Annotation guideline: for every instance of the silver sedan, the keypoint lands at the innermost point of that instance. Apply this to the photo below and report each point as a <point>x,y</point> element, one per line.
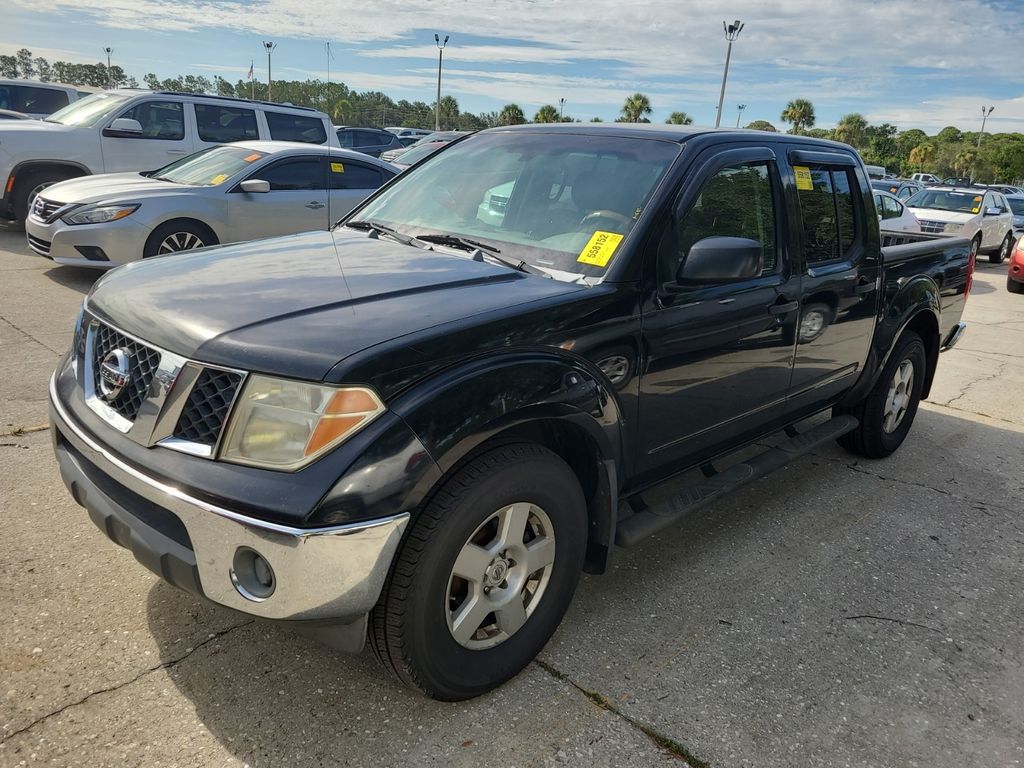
<point>224,194</point>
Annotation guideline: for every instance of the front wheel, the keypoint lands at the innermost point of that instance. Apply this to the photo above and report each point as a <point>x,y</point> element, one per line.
<point>888,410</point>
<point>485,574</point>
<point>1013,286</point>
<point>174,236</point>
<point>1004,250</point>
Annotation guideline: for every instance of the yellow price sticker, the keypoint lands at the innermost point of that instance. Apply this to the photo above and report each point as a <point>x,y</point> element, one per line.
<point>337,167</point>
<point>218,178</point>
<point>976,209</point>
<point>598,252</point>
<point>803,177</point>
<point>252,158</point>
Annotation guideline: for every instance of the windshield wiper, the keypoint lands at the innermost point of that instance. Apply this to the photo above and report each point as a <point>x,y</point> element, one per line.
<point>380,229</point>
<point>491,251</point>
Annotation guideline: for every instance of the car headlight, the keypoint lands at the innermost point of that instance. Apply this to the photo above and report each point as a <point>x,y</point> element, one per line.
<point>100,215</point>
<point>284,424</point>
<point>953,227</point>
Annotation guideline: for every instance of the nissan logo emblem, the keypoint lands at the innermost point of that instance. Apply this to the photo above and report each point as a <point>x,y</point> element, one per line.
<point>114,374</point>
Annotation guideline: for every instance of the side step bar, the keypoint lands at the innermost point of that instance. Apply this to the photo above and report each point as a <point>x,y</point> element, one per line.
<point>650,520</point>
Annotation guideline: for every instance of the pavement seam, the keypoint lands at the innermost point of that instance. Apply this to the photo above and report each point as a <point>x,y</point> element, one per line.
<point>662,742</point>
<point>162,665</point>
<point>29,336</point>
<point>19,431</point>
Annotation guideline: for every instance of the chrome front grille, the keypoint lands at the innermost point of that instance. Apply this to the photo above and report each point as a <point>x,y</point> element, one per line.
<point>44,209</point>
<point>154,396</point>
<point>933,227</point>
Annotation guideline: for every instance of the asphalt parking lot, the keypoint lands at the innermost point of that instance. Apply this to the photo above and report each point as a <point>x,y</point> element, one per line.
<point>838,613</point>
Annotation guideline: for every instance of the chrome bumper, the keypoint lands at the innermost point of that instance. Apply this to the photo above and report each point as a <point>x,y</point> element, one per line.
<point>321,574</point>
<point>953,336</point>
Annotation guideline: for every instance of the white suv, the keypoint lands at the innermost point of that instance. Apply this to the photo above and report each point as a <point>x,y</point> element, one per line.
<point>981,215</point>
<point>134,130</point>
<point>36,99</point>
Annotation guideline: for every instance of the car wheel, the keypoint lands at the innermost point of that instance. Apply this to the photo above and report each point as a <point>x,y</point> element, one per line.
<point>814,319</point>
<point>27,189</point>
<point>1013,286</point>
<point>484,575</point>
<point>174,236</point>
<point>1004,250</point>
<point>888,411</point>
<point>975,245</point>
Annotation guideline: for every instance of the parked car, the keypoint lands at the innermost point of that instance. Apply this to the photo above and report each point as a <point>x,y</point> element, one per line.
<point>902,188</point>
<point>1006,189</point>
<point>981,215</point>
<point>10,114</point>
<point>226,194</point>
<point>219,411</point>
<point>369,141</point>
<point>433,138</point>
<point>418,153</point>
<point>1016,203</point>
<point>893,215</point>
<point>136,130</point>
<point>1015,273</point>
<point>405,133</point>
<point>35,99</point>
<point>925,178</point>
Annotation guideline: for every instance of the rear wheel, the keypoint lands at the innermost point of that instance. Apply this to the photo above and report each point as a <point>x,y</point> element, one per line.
<point>1013,286</point>
<point>888,411</point>
<point>485,574</point>
<point>1004,250</point>
<point>174,236</point>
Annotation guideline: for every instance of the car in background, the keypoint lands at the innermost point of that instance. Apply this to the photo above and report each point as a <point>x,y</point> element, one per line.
<point>369,141</point>
<point>129,129</point>
<point>433,138</point>
<point>902,188</point>
<point>875,171</point>
<point>416,154</point>
<point>35,99</point>
<point>1006,189</point>
<point>1015,273</point>
<point>979,214</point>
<point>408,136</point>
<point>893,215</point>
<point>227,194</point>
<point>10,114</point>
<point>925,178</point>
<point>1017,209</point>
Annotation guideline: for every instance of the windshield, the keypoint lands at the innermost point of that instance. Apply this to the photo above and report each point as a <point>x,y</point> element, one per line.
<point>209,167</point>
<point>555,201</point>
<point>90,110</point>
<point>947,200</point>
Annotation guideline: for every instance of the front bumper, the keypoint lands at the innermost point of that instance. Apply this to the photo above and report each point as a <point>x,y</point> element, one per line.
<point>99,246</point>
<point>332,574</point>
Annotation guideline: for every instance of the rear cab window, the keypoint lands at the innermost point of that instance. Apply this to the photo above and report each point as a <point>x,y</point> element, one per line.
<point>32,99</point>
<point>288,127</point>
<point>828,212</point>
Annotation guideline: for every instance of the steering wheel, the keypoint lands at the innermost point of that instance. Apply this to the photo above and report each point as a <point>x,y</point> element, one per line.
<point>605,214</point>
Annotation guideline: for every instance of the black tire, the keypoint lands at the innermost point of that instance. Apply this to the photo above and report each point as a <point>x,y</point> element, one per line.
<point>1013,286</point>
<point>870,438</point>
<point>29,184</point>
<point>976,245</point>
<point>1004,250</point>
<point>409,628</point>
<point>178,227</point>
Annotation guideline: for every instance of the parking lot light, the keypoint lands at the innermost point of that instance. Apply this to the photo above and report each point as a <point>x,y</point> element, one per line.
<point>732,31</point>
<point>440,56</point>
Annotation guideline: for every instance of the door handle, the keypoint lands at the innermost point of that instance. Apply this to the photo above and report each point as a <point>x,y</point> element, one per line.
<point>315,205</point>
<point>864,286</point>
<point>782,309</point>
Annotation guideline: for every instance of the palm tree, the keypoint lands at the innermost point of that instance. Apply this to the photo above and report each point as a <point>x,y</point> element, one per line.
<point>851,129</point>
<point>964,161</point>
<point>635,108</point>
<point>799,112</point>
<point>922,155</point>
<point>679,118</point>
<point>547,114</point>
<point>511,114</point>
<point>339,109</point>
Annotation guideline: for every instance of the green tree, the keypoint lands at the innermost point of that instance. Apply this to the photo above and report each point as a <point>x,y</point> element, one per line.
<point>339,109</point>
<point>596,120</point>
<point>449,113</point>
<point>547,114</point>
<point>679,118</point>
<point>636,108</point>
<point>800,113</point>
<point>852,129</point>
<point>964,161</point>
<point>949,135</point>
<point>511,114</point>
<point>761,125</point>
<point>43,69</point>
<point>26,67</point>
<point>8,66</point>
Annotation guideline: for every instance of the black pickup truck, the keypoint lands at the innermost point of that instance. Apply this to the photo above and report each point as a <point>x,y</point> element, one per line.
<point>419,428</point>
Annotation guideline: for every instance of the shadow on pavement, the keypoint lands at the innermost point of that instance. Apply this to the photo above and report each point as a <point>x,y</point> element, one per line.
<point>840,607</point>
<point>75,278</point>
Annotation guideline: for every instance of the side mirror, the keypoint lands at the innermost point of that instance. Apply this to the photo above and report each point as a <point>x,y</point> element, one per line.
<point>124,127</point>
<point>254,185</point>
<point>993,211</point>
<point>720,260</point>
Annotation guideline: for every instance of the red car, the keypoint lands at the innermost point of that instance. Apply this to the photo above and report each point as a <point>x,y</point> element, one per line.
<point>1015,277</point>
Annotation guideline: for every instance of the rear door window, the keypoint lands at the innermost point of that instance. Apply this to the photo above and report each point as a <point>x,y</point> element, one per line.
<point>222,124</point>
<point>305,128</point>
<point>344,174</point>
<point>159,119</point>
<point>32,99</point>
<point>827,212</point>
<point>296,173</point>
<point>368,139</point>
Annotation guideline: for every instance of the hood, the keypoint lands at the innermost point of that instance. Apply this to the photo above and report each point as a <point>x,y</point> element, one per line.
<point>110,187</point>
<point>298,305</point>
<point>14,128</point>
<point>933,214</point>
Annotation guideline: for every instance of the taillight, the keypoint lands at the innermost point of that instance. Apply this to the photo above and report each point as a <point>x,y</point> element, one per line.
<point>970,275</point>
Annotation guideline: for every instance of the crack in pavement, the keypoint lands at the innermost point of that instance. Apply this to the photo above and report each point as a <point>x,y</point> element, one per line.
<point>19,431</point>
<point>29,336</point>
<point>162,665</point>
<point>664,743</point>
<point>973,413</point>
<point>904,622</point>
<point>973,383</point>
<point>986,352</point>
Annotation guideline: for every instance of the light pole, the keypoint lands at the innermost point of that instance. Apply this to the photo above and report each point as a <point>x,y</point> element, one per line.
<point>440,56</point>
<point>732,31</point>
<point>739,113</point>
<point>270,49</point>
<point>984,117</point>
<point>561,108</point>
<point>110,80</point>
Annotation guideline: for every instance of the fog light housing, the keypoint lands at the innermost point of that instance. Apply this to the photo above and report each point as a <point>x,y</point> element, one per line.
<point>252,575</point>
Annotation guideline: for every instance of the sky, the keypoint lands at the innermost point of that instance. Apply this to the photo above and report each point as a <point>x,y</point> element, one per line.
<point>915,63</point>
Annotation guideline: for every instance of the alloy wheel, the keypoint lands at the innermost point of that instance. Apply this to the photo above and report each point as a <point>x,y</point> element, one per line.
<point>180,241</point>
<point>898,398</point>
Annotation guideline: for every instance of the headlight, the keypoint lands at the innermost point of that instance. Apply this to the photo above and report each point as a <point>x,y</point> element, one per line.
<point>100,215</point>
<point>953,227</point>
<point>283,424</point>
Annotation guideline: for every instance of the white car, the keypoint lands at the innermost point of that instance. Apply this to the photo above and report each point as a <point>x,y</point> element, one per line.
<point>926,178</point>
<point>36,99</point>
<point>136,130</point>
<point>893,215</point>
<point>982,215</point>
<point>226,194</point>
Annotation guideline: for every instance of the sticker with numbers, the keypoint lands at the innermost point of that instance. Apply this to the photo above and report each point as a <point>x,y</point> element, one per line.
<point>598,252</point>
<point>337,167</point>
<point>803,177</point>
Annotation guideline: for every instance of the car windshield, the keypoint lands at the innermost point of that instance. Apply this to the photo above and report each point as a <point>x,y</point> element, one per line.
<point>947,200</point>
<point>90,110</point>
<point>560,202</point>
<point>209,167</point>
<point>1016,205</point>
